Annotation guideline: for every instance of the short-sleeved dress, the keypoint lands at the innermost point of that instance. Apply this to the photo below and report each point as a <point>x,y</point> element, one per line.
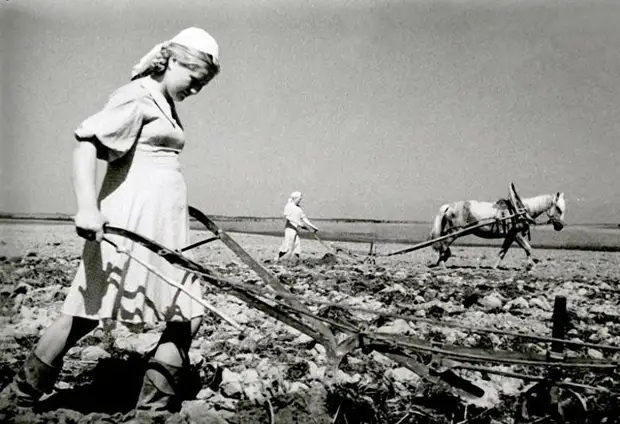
<point>138,133</point>
<point>294,216</point>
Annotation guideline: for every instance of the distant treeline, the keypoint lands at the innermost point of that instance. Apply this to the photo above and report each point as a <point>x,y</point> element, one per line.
<point>221,218</point>
<point>37,216</point>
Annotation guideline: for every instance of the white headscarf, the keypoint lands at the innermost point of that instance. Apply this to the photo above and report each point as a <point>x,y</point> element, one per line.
<point>193,38</point>
<point>291,204</point>
<point>296,195</point>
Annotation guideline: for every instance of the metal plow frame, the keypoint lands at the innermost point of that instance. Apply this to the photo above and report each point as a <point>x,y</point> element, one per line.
<point>277,302</point>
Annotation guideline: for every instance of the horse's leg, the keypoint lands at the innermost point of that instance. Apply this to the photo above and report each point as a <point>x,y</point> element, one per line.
<point>510,238</point>
<point>444,253</point>
<point>440,224</point>
<point>440,251</point>
<point>531,261</point>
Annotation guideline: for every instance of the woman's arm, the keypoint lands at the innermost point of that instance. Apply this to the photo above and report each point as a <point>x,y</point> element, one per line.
<point>309,224</point>
<point>88,216</point>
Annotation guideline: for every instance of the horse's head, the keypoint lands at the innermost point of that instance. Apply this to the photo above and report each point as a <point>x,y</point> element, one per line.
<point>556,212</point>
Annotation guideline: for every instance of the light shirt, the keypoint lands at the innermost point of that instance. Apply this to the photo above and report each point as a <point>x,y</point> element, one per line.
<point>294,214</point>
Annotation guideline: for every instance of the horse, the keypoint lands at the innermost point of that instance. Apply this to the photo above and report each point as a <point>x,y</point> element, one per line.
<point>460,214</point>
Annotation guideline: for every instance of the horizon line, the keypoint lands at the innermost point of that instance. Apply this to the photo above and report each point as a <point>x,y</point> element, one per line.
<point>60,216</point>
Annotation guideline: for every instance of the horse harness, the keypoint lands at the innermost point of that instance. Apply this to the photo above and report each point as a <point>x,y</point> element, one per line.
<point>520,223</point>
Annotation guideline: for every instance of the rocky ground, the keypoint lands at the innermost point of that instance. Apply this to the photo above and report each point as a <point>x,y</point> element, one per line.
<point>274,374</point>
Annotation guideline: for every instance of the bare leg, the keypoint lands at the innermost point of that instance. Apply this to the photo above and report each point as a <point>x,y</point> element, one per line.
<point>528,251</point>
<point>176,340</point>
<point>195,326</point>
<point>61,336</point>
<point>510,238</point>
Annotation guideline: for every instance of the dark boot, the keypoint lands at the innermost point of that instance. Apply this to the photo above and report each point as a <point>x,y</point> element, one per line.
<point>161,388</point>
<point>32,381</point>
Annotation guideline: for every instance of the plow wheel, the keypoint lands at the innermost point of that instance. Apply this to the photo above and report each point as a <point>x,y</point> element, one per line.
<point>543,403</point>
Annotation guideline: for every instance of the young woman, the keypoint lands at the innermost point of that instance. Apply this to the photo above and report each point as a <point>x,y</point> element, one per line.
<point>295,219</point>
<point>139,134</point>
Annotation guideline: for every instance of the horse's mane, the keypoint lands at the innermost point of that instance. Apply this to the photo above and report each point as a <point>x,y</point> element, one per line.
<point>538,204</point>
<point>535,205</point>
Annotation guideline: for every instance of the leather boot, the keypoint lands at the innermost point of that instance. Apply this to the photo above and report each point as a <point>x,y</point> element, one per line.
<point>160,387</point>
<point>32,381</point>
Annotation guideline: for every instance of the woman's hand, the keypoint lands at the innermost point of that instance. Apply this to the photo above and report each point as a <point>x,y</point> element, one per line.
<point>89,224</point>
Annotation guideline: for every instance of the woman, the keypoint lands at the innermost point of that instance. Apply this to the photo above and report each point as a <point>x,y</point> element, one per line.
<point>295,219</point>
<point>139,134</point>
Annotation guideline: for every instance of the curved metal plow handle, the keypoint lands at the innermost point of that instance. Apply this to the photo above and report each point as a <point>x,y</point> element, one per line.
<point>177,259</point>
<point>156,272</point>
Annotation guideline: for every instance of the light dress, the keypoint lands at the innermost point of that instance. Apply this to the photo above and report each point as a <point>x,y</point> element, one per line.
<point>138,133</point>
<point>294,218</point>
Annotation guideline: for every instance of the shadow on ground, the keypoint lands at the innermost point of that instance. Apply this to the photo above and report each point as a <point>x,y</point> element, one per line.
<point>112,386</point>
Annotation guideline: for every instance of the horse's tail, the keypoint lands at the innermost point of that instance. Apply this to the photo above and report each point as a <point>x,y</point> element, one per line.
<point>438,225</point>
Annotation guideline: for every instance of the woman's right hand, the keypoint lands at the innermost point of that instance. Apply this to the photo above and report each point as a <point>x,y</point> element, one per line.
<point>89,224</point>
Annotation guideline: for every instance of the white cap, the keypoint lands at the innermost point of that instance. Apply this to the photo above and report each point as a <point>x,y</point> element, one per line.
<point>198,39</point>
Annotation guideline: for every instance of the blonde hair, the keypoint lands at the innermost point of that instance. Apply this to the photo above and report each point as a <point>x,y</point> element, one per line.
<point>187,57</point>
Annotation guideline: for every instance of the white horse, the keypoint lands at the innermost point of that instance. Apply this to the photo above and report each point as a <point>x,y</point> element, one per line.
<point>458,215</point>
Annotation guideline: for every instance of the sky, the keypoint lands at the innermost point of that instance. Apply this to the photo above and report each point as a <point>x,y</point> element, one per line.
<point>373,109</point>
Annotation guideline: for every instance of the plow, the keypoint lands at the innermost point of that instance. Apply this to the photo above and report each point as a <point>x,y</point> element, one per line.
<point>552,395</point>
